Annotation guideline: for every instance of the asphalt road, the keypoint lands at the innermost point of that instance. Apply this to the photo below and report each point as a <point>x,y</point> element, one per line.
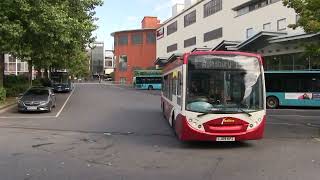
<point>111,132</point>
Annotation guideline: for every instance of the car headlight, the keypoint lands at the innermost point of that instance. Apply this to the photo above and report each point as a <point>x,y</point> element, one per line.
<point>44,102</point>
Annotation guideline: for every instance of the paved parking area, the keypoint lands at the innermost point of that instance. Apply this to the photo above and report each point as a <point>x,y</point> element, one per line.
<point>12,112</point>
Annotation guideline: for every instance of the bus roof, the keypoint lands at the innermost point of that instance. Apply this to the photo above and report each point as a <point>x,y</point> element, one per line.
<point>293,72</point>
<point>157,75</point>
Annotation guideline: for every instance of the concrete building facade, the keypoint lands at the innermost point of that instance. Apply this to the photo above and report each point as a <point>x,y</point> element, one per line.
<point>97,58</point>
<point>108,62</point>
<point>207,23</point>
<point>14,66</point>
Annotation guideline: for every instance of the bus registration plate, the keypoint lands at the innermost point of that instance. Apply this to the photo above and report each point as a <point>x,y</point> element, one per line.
<point>226,139</point>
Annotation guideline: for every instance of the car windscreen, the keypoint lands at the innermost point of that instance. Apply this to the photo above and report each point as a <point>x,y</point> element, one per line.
<point>37,92</point>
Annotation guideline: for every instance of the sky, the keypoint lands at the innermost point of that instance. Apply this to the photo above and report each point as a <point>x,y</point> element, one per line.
<point>117,15</point>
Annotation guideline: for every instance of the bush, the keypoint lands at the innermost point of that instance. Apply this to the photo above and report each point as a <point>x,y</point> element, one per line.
<point>2,94</point>
<point>14,85</point>
<point>16,89</point>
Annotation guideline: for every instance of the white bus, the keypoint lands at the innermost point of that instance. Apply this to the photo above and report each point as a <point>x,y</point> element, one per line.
<point>214,96</point>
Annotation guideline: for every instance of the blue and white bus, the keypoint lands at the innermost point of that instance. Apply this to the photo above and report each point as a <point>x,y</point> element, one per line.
<point>293,88</point>
<point>148,82</point>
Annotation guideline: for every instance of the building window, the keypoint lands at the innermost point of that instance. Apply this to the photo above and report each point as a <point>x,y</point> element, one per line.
<point>151,38</point>
<point>123,63</point>
<point>190,42</point>
<point>215,34</point>
<point>137,38</point>
<point>282,24</point>
<point>267,26</point>
<point>190,18</point>
<point>242,11</point>
<point>123,39</point>
<point>172,47</point>
<point>160,33</point>
<point>123,80</point>
<point>12,59</point>
<point>258,5</point>
<point>249,33</point>
<point>212,7</point>
<point>173,27</point>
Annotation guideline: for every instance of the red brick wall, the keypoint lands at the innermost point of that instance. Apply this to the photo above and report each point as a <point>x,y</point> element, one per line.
<point>150,22</point>
<point>139,55</point>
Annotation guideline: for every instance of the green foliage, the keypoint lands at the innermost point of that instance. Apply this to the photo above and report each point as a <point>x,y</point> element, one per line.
<point>2,94</point>
<point>308,11</point>
<point>309,20</point>
<point>15,85</point>
<point>51,33</point>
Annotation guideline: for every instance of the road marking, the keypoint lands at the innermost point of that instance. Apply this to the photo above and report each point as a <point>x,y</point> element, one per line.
<point>317,139</point>
<point>24,117</point>
<point>65,103</point>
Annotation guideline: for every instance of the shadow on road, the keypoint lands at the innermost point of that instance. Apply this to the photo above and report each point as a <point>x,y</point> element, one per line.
<point>215,145</point>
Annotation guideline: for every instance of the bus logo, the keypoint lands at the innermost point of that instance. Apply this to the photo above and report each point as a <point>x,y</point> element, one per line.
<point>228,120</point>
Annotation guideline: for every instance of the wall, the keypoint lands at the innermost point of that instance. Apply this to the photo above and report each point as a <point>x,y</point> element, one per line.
<point>140,56</point>
<point>234,28</point>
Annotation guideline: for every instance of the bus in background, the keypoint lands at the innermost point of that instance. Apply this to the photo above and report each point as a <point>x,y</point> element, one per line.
<point>214,96</point>
<point>61,81</point>
<point>147,79</point>
<point>148,82</point>
<point>293,88</point>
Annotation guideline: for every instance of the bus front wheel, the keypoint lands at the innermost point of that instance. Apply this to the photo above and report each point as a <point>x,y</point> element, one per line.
<point>150,87</point>
<point>272,102</point>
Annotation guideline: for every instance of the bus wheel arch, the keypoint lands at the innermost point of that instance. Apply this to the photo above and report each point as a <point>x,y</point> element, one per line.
<point>272,102</point>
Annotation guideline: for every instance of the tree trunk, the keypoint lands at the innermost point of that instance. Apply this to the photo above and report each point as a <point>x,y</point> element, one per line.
<point>30,72</point>
<point>38,73</point>
<point>46,75</point>
<point>1,69</point>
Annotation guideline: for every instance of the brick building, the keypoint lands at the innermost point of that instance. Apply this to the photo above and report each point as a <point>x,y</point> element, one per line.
<point>135,49</point>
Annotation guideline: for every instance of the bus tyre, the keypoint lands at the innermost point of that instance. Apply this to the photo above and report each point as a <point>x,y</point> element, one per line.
<point>150,87</point>
<point>272,102</point>
<point>173,122</point>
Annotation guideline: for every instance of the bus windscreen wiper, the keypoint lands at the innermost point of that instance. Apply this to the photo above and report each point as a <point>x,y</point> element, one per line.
<point>244,111</point>
<point>215,112</point>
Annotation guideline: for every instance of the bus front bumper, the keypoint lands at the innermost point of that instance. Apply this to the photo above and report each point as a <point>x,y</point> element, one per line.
<point>187,133</point>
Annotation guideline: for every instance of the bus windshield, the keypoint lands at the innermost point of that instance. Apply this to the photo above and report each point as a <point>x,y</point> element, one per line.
<point>224,83</point>
<point>60,78</point>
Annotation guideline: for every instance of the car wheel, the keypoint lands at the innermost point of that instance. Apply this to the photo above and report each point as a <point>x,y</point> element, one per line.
<point>272,102</point>
<point>49,109</point>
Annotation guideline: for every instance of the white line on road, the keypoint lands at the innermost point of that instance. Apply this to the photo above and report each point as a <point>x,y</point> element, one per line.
<point>65,103</point>
<point>317,139</point>
<point>25,117</point>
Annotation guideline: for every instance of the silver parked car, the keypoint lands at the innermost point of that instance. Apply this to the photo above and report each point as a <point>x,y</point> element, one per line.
<point>37,99</point>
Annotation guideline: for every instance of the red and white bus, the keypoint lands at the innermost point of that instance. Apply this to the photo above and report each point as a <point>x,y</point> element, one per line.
<point>214,96</point>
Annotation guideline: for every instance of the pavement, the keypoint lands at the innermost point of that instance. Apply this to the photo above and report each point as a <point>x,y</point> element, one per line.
<point>112,132</point>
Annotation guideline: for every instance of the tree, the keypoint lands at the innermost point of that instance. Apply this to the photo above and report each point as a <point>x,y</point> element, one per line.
<point>47,33</point>
<point>309,19</point>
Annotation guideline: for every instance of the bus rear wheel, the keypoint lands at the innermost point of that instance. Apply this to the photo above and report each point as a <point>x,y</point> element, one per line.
<point>150,87</point>
<point>272,102</point>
